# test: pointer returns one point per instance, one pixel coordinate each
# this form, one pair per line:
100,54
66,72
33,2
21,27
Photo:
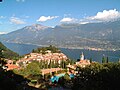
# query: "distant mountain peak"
104,35
36,27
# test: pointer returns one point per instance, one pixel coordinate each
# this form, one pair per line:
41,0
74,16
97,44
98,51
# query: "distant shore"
70,47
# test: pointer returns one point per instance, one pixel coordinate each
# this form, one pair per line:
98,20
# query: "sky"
16,14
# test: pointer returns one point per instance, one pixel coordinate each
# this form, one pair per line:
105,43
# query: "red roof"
11,66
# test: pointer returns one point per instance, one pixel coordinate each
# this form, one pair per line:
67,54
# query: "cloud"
16,20
106,15
44,18
67,19
3,32
1,17
84,22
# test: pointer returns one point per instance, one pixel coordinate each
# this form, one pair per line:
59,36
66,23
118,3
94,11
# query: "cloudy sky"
15,14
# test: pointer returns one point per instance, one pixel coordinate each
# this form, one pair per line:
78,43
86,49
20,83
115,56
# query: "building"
10,67
83,62
49,71
82,56
56,57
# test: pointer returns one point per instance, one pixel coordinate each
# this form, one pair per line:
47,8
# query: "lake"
74,54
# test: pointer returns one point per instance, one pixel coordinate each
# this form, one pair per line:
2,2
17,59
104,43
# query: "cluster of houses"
42,57
46,57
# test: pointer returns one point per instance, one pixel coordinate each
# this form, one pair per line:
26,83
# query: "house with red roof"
11,66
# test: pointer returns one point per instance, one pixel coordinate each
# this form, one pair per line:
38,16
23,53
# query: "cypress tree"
107,60
90,60
103,59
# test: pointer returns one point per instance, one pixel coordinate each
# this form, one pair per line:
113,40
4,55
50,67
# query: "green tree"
32,69
2,62
52,64
90,60
43,50
103,59
1,53
40,64
33,51
107,59
67,77
63,64
56,64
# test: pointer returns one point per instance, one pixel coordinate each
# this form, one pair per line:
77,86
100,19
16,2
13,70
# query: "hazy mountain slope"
96,35
28,34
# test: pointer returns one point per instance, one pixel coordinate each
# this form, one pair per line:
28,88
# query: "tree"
32,69
56,64
107,59
103,59
63,64
7,53
98,76
43,50
33,51
66,77
1,53
90,60
2,62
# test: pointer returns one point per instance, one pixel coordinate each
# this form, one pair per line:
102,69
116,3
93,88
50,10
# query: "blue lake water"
74,54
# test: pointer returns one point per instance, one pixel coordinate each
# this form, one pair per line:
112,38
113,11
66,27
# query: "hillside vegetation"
43,50
7,53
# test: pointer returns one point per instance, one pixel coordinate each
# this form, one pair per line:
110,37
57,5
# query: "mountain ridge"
91,35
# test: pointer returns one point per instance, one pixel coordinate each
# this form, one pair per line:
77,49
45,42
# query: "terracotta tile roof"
85,61
48,56
11,66
45,71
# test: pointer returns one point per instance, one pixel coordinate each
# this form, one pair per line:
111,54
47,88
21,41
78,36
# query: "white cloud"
44,18
67,19
84,22
20,0
3,32
106,15
16,20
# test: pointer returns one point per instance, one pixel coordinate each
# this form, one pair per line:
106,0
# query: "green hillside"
7,53
43,50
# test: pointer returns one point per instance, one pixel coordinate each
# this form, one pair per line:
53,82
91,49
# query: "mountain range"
103,35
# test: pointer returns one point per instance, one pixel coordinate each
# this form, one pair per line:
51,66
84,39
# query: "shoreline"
86,48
